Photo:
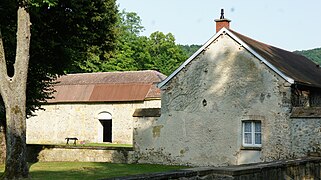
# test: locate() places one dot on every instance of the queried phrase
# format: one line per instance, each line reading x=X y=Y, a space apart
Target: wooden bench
x=71 y=138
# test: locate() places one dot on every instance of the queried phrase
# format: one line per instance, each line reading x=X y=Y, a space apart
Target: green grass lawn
x=90 y=170
x=105 y=145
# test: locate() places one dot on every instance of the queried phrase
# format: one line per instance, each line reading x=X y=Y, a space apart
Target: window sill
x=251 y=148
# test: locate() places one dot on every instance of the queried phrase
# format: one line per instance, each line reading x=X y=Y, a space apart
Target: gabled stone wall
x=204 y=105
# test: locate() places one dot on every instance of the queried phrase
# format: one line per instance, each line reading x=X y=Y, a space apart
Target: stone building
x=95 y=107
x=234 y=101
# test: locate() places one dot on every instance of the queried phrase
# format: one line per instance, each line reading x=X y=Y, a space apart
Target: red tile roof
x=108 y=87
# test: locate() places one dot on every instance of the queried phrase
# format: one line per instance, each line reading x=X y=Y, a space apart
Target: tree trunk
x=13 y=92
x=16 y=164
x=3 y=150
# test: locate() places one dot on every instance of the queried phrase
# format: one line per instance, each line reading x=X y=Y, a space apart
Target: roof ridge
x=94 y=83
x=116 y=72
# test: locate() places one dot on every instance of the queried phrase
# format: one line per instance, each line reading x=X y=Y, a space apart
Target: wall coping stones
x=225 y=171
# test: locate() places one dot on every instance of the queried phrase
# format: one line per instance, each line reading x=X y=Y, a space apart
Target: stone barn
x=95 y=107
x=234 y=101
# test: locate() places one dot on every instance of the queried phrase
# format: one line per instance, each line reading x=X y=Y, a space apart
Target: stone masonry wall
x=203 y=107
x=306 y=136
x=59 y=121
x=50 y=153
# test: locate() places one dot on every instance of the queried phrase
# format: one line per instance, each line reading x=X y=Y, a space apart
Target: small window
x=252 y=134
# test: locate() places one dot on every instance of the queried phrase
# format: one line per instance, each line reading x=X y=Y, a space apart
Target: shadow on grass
x=89 y=170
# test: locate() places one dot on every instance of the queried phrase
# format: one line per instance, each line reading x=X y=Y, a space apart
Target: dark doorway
x=107 y=130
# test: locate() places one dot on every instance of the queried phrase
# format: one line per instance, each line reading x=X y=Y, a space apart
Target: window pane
x=258 y=138
x=247 y=138
x=257 y=126
x=247 y=127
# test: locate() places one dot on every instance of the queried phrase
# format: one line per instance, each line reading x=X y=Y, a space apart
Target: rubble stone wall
x=59 y=121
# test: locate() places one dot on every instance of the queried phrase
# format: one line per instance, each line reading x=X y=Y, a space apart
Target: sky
x=287 y=24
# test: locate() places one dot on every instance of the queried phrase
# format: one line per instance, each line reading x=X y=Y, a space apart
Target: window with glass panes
x=252 y=133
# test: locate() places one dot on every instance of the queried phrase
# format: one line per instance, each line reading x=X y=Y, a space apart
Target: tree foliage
x=167 y=56
x=135 y=52
x=64 y=37
x=13 y=87
x=63 y=34
x=190 y=49
x=130 y=52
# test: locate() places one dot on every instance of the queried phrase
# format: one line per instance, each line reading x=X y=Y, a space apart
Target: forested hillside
x=313 y=54
x=190 y=49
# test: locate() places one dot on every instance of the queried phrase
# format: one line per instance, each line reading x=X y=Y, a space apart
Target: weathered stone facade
x=306 y=136
x=95 y=107
x=80 y=120
x=203 y=107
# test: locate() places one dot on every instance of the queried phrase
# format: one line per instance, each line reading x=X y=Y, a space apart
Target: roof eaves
x=288 y=79
x=161 y=84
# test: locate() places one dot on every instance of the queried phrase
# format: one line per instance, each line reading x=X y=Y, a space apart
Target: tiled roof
x=108 y=86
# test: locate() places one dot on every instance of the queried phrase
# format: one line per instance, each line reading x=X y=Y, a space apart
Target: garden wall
x=305 y=168
x=49 y=153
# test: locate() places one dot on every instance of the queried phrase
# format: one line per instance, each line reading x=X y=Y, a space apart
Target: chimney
x=222 y=22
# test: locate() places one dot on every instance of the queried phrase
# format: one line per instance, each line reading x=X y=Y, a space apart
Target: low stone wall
x=305 y=168
x=49 y=153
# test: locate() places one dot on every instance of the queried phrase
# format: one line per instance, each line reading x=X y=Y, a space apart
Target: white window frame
x=253 y=144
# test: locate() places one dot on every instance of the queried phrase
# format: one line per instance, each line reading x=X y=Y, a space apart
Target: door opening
x=107 y=130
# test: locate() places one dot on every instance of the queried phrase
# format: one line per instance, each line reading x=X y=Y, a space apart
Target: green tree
x=189 y=50
x=63 y=32
x=167 y=56
x=13 y=93
x=131 y=53
x=135 y=52
x=89 y=30
x=66 y=35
